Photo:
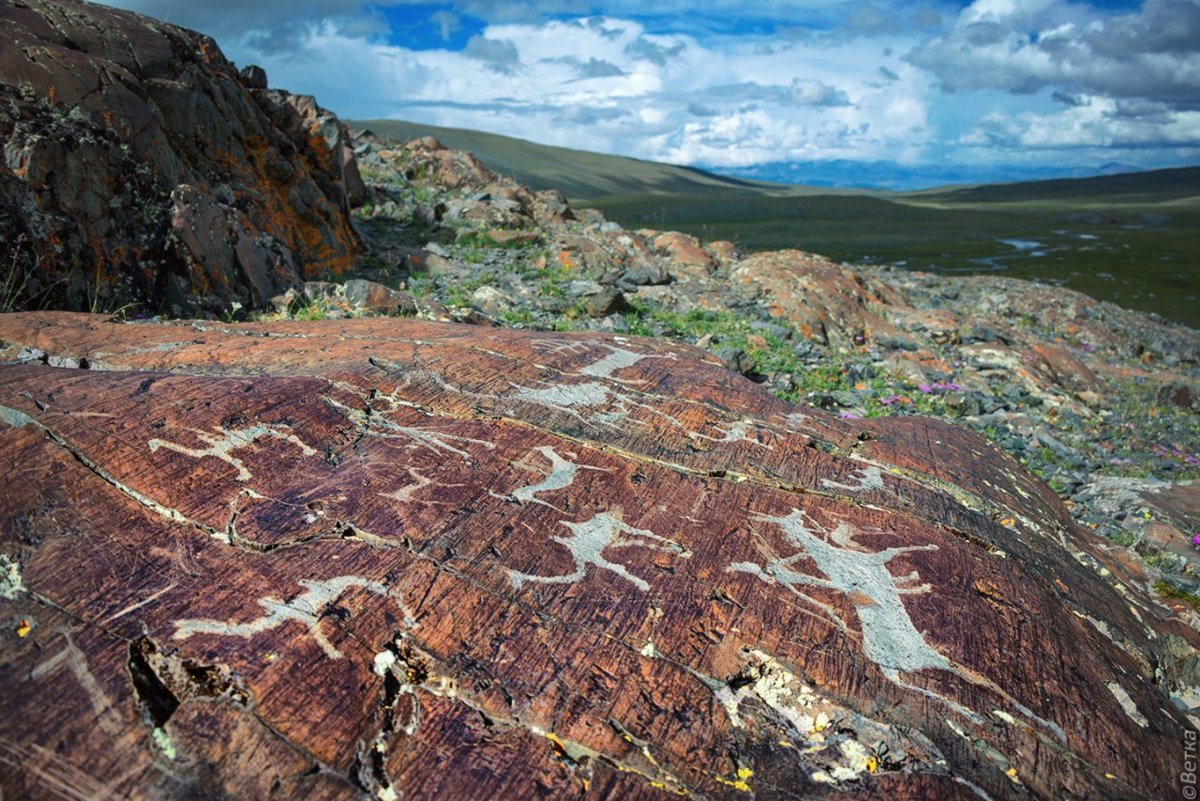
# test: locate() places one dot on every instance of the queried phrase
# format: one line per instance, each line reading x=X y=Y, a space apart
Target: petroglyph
x=571 y=397
x=889 y=638
x=737 y=432
x=405 y=494
x=15 y=418
x=565 y=396
x=562 y=475
x=306 y=608
x=869 y=478
x=588 y=541
x=72 y=659
x=140 y=604
x=617 y=359
x=375 y=425
x=222 y=447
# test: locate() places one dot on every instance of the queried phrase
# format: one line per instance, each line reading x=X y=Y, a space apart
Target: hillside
x=1180 y=185
x=579 y=174
x=1121 y=237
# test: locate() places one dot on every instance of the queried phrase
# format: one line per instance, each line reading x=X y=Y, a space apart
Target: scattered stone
x=1179 y=394
x=375 y=298
x=605 y=302
x=514 y=238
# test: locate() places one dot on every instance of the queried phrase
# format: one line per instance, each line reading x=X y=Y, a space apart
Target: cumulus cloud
x=647 y=49
x=722 y=84
x=1025 y=46
x=499 y=54
x=592 y=68
x=1091 y=122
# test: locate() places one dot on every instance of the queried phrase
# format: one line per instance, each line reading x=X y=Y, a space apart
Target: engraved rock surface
x=397 y=558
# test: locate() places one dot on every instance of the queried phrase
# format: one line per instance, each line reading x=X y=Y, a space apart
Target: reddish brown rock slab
x=377 y=557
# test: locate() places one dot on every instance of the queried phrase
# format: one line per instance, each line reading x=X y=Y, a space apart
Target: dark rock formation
x=141 y=167
x=403 y=559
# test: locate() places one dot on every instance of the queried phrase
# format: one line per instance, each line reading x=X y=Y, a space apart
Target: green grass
x=1139 y=256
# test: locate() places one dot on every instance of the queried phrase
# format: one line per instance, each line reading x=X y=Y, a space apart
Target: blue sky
x=1025 y=84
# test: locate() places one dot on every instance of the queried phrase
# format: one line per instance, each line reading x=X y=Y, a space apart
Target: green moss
x=1166 y=590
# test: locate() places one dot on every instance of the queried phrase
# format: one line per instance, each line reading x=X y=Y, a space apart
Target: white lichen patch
x=305 y=608
x=866 y=478
x=383 y=662
x=648 y=650
x=221 y=446
x=164 y=744
x=15 y=418
x=10 y=577
x=1127 y=704
x=589 y=540
x=1007 y=718
x=826 y=734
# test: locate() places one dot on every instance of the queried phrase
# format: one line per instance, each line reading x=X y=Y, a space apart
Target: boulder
x=685 y=257
x=397 y=558
x=822 y=300
x=141 y=167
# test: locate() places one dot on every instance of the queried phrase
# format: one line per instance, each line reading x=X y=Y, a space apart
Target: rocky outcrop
x=141 y=167
x=407 y=559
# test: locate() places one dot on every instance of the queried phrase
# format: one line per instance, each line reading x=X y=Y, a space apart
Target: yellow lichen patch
x=1012 y=774
x=23 y=628
x=737 y=784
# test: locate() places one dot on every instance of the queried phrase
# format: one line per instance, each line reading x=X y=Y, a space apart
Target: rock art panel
x=346 y=560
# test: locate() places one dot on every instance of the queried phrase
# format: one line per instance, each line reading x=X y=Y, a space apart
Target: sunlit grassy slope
x=1133 y=238
x=578 y=174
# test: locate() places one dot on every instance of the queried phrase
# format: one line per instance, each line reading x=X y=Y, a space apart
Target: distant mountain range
x=893 y=176
x=587 y=176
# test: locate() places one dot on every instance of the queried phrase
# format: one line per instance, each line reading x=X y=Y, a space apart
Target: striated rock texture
x=398 y=558
x=141 y=167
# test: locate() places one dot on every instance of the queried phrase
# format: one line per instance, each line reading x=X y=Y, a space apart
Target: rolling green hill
x=1128 y=238
x=1152 y=187
x=580 y=175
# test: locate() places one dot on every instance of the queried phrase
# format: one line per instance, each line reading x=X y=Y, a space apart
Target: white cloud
x=1091 y=122
x=800 y=81
x=1025 y=46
